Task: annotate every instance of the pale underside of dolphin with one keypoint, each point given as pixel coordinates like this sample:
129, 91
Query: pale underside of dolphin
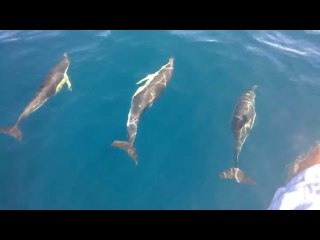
52, 84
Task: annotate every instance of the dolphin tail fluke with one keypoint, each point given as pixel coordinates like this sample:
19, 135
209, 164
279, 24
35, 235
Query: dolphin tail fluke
128, 147
12, 131
237, 175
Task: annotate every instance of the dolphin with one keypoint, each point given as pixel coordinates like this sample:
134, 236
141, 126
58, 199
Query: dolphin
143, 98
52, 84
243, 121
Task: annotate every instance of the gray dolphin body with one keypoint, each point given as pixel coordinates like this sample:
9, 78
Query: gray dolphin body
52, 84
243, 121
142, 99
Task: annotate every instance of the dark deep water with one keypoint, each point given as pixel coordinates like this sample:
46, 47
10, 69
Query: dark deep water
184, 141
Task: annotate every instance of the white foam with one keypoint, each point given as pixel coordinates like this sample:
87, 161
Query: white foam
306, 79
9, 40
267, 55
36, 34
312, 31
301, 47
84, 48
281, 47
211, 40
15, 35
311, 50
195, 35
104, 33
8, 35
186, 32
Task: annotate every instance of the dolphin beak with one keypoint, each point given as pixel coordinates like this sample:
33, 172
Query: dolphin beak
171, 60
254, 87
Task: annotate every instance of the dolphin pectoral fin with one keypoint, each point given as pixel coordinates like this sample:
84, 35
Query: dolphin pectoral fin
64, 81
60, 84
68, 82
144, 79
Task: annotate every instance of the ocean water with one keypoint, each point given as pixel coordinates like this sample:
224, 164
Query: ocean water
184, 141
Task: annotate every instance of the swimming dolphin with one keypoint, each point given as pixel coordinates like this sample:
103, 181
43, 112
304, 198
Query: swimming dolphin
141, 100
243, 121
52, 84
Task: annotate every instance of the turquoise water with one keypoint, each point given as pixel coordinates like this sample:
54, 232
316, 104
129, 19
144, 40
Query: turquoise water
184, 141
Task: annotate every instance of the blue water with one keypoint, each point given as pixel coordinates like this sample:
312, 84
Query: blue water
184, 141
